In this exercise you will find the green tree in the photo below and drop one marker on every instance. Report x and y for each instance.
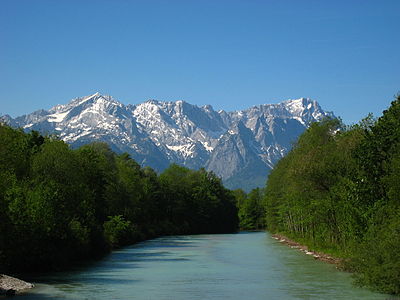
(118, 231)
(251, 210)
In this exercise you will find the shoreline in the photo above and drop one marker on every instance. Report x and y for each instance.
(338, 262)
(9, 286)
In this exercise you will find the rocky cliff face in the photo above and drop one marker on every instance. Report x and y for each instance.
(240, 146)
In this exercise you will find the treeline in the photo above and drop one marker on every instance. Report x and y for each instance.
(59, 205)
(251, 209)
(338, 191)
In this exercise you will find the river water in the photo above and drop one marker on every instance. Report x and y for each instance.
(242, 266)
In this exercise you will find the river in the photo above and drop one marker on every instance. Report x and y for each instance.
(225, 266)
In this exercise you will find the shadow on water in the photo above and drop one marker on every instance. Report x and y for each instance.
(164, 259)
(84, 280)
(150, 254)
(78, 278)
(38, 296)
(132, 256)
(127, 258)
(168, 244)
(135, 256)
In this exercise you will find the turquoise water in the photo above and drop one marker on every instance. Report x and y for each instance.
(225, 266)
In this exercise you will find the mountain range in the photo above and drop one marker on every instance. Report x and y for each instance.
(240, 146)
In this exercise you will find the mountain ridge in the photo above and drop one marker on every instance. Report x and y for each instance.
(239, 146)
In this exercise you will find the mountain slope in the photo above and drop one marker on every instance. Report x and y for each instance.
(240, 146)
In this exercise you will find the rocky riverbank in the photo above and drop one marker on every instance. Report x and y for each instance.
(10, 286)
(317, 255)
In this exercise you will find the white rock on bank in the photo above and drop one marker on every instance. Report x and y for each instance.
(10, 285)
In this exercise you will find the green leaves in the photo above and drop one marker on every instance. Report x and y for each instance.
(198, 200)
(339, 191)
(118, 231)
(59, 205)
(251, 209)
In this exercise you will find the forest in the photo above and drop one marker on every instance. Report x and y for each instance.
(60, 205)
(338, 191)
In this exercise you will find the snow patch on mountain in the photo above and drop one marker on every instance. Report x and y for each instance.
(57, 117)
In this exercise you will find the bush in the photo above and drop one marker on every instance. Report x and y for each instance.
(118, 231)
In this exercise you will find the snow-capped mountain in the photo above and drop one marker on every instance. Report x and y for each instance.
(240, 146)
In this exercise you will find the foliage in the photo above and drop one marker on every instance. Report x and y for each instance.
(251, 209)
(338, 190)
(118, 231)
(198, 201)
(59, 205)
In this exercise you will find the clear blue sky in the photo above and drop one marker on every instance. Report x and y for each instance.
(230, 54)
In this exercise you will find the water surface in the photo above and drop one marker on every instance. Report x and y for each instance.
(225, 266)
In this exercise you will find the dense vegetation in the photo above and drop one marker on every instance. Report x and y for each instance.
(338, 190)
(59, 205)
(251, 210)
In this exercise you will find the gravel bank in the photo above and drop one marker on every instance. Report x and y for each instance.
(10, 286)
(317, 255)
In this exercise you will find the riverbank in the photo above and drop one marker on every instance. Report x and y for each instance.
(317, 255)
(10, 286)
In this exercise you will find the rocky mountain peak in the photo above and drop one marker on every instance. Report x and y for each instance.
(240, 146)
